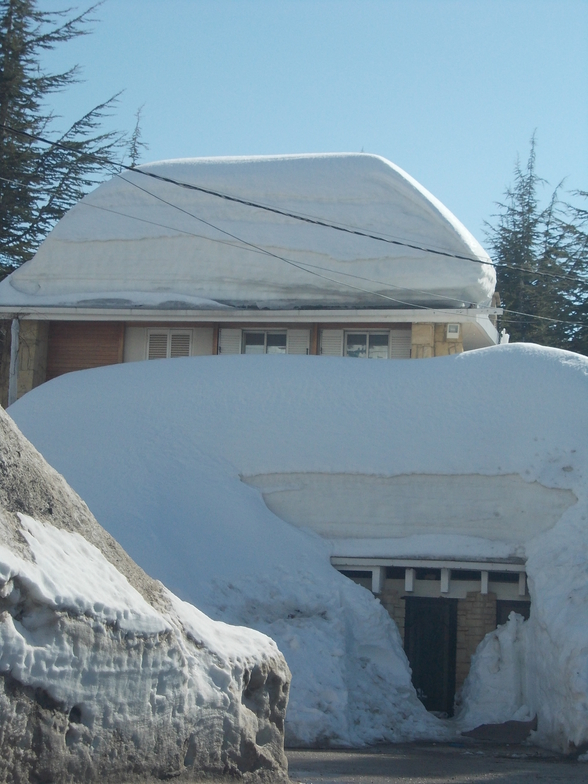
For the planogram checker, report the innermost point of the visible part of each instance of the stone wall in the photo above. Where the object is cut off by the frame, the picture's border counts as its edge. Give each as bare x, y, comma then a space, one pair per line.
32, 366
393, 601
476, 616
430, 340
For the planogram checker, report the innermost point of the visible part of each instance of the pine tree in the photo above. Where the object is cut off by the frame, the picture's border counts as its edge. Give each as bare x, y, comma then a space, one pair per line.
576, 233
39, 182
136, 143
540, 258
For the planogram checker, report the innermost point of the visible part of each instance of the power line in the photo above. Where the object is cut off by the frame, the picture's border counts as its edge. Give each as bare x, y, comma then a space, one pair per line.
314, 221
303, 218
255, 249
269, 253
302, 266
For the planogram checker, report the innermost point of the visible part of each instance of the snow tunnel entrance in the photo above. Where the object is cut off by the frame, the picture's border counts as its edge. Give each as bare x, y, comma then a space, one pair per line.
443, 610
430, 642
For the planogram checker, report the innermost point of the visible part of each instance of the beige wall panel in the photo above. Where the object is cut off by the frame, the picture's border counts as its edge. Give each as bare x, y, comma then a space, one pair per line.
202, 341
135, 343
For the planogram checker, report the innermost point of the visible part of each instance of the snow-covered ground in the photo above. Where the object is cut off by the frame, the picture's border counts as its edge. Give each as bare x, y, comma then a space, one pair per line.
158, 450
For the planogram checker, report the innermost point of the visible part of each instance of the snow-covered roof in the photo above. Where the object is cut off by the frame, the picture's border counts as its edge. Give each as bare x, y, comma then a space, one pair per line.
142, 241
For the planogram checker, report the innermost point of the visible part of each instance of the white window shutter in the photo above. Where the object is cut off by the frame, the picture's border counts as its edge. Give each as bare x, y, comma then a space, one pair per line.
180, 344
332, 342
400, 342
298, 341
157, 345
229, 341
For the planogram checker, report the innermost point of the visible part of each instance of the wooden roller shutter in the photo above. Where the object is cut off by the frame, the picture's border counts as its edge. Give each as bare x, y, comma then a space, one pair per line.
75, 345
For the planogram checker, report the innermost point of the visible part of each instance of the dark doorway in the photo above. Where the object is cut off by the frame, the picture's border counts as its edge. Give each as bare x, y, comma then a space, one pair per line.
504, 607
430, 636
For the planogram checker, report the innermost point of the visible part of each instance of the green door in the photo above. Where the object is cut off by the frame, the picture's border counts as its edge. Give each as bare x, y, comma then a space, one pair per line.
430, 636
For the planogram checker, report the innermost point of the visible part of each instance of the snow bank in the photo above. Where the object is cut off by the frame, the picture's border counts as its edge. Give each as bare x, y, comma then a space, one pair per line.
493, 691
114, 240
170, 441
106, 675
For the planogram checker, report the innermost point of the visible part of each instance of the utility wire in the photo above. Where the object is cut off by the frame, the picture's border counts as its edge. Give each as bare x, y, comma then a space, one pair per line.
335, 272
298, 216
269, 253
254, 249
306, 219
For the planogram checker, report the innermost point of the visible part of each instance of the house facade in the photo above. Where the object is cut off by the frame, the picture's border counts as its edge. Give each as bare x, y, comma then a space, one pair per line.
330, 255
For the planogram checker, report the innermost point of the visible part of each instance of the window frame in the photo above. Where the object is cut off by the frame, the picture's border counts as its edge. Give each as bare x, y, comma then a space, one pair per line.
368, 333
265, 333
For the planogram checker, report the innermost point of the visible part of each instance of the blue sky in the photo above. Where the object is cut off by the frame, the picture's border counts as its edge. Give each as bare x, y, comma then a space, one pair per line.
450, 90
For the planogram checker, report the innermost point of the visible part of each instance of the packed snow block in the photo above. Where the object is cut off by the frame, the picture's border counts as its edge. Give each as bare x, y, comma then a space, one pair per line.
234, 479
105, 675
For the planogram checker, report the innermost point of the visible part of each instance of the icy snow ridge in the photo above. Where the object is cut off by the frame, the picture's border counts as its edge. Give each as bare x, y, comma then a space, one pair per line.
104, 674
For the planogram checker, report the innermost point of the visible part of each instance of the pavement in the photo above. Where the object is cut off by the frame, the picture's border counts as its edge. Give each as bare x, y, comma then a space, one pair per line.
435, 763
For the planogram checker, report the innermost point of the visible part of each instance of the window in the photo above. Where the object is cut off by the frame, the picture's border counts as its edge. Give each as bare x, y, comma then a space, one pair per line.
264, 342
168, 343
373, 345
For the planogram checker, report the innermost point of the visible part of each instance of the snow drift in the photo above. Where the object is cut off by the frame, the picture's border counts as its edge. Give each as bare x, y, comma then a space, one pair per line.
105, 674
158, 450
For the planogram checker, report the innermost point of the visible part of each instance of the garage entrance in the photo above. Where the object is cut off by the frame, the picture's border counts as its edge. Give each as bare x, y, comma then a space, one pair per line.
442, 609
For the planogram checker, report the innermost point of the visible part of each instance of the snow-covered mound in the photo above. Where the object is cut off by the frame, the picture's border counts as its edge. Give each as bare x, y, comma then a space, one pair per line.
159, 450
108, 251
105, 675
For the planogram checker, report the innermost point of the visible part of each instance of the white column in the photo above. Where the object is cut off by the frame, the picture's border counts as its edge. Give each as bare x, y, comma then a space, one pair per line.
522, 583
409, 580
484, 583
13, 372
444, 580
378, 577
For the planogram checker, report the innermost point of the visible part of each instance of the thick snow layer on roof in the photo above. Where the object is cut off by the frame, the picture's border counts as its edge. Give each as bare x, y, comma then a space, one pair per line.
159, 451
155, 242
